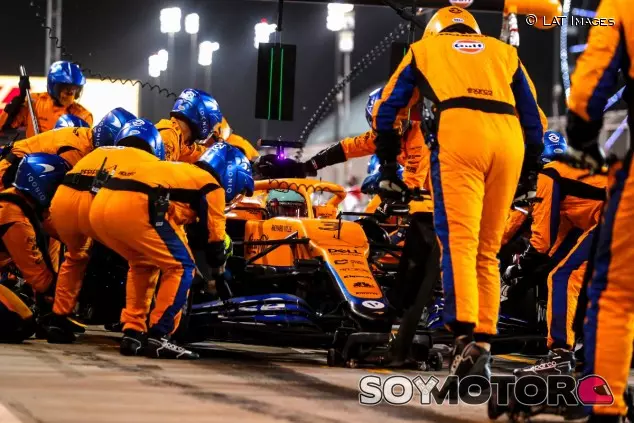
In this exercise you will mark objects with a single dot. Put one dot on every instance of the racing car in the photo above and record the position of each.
(302, 277)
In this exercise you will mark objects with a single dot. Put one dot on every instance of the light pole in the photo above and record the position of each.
(154, 69)
(205, 58)
(263, 31)
(170, 25)
(192, 24)
(340, 19)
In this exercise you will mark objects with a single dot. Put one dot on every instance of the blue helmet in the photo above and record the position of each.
(370, 184)
(144, 130)
(372, 98)
(39, 175)
(554, 144)
(64, 72)
(107, 129)
(200, 110)
(68, 120)
(373, 165)
(231, 167)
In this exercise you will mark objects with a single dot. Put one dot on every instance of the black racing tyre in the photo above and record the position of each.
(334, 358)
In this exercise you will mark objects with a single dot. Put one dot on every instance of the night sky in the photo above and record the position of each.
(115, 38)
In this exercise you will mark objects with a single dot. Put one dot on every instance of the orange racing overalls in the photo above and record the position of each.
(127, 216)
(609, 328)
(47, 113)
(70, 210)
(485, 112)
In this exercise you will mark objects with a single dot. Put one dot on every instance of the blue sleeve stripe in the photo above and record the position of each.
(398, 98)
(527, 108)
(606, 84)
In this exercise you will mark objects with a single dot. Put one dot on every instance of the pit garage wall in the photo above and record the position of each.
(99, 97)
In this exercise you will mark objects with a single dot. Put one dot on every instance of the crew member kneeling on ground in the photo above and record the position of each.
(141, 217)
(23, 211)
(484, 119)
(70, 208)
(572, 199)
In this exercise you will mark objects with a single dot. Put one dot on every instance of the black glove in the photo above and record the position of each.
(581, 133)
(24, 85)
(583, 146)
(388, 146)
(390, 185)
(511, 273)
(592, 157)
(12, 109)
(327, 157)
(270, 166)
(217, 253)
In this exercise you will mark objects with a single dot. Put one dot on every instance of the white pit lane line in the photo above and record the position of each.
(7, 416)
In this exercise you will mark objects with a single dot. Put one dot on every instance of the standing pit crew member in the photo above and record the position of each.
(609, 327)
(64, 84)
(137, 142)
(23, 211)
(570, 198)
(141, 216)
(487, 121)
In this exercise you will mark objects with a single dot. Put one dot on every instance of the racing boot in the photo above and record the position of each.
(559, 361)
(133, 342)
(61, 329)
(161, 347)
(468, 359)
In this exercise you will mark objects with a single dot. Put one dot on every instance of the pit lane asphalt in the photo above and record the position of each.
(91, 382)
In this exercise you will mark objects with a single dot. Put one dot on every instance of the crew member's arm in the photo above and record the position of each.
(400, 92)
(531, 118)
(348, 148)
(595, 79)
(544, 228)
(14, 114)
(546, 212)
(514, 222)
(212, 217)
(20, 242)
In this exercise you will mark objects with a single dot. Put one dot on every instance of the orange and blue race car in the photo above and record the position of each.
(302, 276)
